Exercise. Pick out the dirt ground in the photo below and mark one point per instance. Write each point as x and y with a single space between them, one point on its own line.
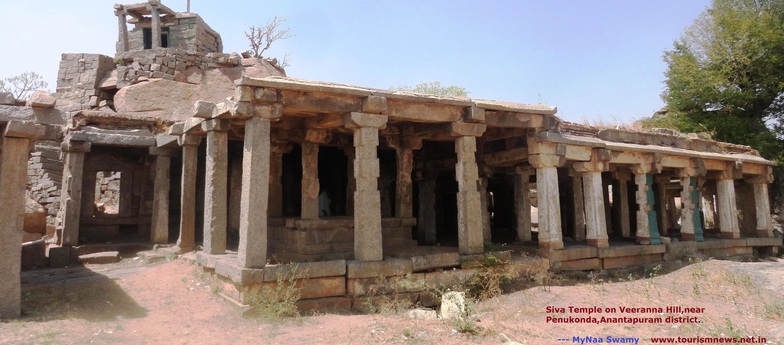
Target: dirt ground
131 302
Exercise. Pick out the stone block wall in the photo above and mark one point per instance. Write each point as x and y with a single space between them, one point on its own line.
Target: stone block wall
78 81
45 176
189 32
167 63
107 192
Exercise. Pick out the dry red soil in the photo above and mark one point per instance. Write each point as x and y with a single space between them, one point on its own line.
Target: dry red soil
169 303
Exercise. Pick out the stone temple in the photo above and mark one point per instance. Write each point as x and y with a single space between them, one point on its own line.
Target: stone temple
173 142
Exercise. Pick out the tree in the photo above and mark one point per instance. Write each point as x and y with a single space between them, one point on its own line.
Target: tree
435 88
724 75
261 38
21 86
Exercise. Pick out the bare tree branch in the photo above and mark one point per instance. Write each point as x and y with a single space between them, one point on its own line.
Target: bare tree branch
261 38
23 84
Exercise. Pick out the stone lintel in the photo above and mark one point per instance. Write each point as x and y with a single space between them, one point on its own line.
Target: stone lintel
761 179
356 120
546 161
162 151
264 95
188 139
134 138
166 140
374 104
474 114
462 129
76 146
217 125
24 130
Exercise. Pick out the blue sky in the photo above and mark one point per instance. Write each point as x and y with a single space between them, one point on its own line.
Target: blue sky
594 60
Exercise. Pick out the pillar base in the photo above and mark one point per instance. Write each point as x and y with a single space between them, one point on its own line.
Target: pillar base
764 233
729 235
643 240
688 237
603 243
551 245
183 250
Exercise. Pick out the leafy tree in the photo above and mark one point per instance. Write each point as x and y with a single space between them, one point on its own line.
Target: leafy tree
260 38
435 88
724 76
21 85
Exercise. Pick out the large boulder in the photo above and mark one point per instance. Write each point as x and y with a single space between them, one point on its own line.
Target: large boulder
35 217
173 100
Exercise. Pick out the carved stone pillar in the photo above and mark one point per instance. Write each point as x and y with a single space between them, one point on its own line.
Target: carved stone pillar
647 224
594 200
367 198
122 29
762 204
621 199
549 205
310 178
275 179
522 197
728 209
404 150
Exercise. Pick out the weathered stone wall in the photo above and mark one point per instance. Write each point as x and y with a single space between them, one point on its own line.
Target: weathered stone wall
189 33
78 81
168 63
44 178
107 192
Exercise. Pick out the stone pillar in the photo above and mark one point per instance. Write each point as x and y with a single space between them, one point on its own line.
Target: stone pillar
522 198
190 149
215 186
621 199
661 203
426 218
548 199
469 216
647 224
155 16
71 198
351 185
595 216
578 203
367 199
487 230
762 204
275 179
13 177
122 29
708 205
252 250
310 181
728 209
88 194
160 201
687 207
404 203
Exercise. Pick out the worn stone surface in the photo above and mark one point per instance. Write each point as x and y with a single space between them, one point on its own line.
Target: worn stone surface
412 282
469 215
7 98
100 258
215 189
186 240
252 251
448 278
41 99
579 265
422 314
34 217
310 181
376 304
367 199
595 221
486 259
728 209
305 269
330 305
549 205
426 220
34 255
435 261
630 261
386 268
160 208
453 305
522 198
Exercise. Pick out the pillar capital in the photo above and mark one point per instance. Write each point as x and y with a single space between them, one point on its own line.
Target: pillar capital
216 125
355 120
546 161
374 104
461 129
733 170
646 168
318 136
76 146
189 140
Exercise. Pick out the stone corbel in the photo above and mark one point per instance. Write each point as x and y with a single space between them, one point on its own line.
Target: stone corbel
474 114
546 160
217 125
189 139
600 161
462 129
318 136
374 105
732 170
355 120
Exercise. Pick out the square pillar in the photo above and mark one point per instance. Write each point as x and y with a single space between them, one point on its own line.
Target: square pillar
548 197
155 16
367 199
122 29
426 218
647 224
404 187
708 204
661 200
13 178
728 209
160 201
88 194
595 216
621 202
487 230
275 207
762 205
190 149
578 204
310 181
351 185
470 236
216 186
71 198
522 200
252 250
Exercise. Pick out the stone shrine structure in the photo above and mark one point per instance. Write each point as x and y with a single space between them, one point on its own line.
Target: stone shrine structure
227 156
